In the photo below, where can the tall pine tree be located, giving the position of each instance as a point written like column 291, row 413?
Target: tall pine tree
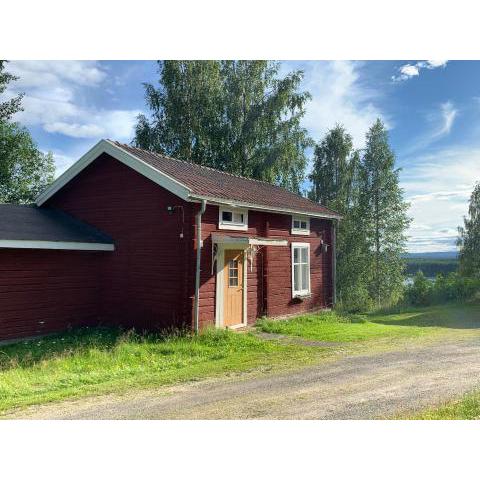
column 384, row 219
column 469, row 238
column 237, row 116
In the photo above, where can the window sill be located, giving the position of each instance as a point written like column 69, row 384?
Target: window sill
column 300, row 232
column 302, row 296
column 224, row 226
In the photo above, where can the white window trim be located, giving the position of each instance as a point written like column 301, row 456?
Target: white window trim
column 232, row 225
column 301, row 293
column 300, row 231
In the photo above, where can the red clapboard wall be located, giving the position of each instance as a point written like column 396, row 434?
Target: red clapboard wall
column 149, row 280
column 43, row 291
column 145, row 278
column 269, row 282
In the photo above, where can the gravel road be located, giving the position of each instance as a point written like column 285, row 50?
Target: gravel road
column 360, row 387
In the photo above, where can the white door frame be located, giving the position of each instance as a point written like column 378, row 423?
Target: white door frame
column 219, row 291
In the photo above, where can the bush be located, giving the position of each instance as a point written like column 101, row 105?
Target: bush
column 355, row 300
column 444, row 289
column 420, row 292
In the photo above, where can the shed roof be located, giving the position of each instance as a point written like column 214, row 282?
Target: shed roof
column 28, row 226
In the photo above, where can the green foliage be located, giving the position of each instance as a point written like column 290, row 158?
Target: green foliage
column 355, row 299
column 333, row 170
column 236, row 116
column 469, row 238
column 420, row 291
column 24, row 170
column 430, row 267
column 382, row 218
column 364, row 188
column 13, row 105
column 451, row 288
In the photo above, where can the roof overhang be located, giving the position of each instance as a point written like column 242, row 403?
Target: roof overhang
column 247, row 241
column 160, row 178
column 47, row 245
column 263, row 208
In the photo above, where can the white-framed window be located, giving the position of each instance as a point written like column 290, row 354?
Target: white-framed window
column 300, row 225
column 300, row 269
column 233, row 219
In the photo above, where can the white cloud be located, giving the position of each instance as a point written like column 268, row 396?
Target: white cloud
column 438, row 186
column 55, row 99
column 408, row 70
column 448, row 113
column 440, row 121
column 339, row 96
column 74, row 129
column 37, row 73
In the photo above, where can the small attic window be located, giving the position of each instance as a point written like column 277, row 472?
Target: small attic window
column 233, row 219
column 300, row 225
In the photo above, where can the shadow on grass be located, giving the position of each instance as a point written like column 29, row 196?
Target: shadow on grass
column 444, row 316
column 27, row 353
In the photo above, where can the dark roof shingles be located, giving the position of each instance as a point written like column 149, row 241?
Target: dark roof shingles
column 208, row 182
column 28, row 222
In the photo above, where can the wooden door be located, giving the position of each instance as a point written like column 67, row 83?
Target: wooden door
column 233, row 288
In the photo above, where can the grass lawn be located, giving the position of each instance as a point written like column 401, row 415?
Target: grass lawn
column 410, row 323
column 100, row 360
column 465, row 408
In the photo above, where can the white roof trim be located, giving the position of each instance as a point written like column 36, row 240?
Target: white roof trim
column 47, row 245
column 253, row 206
column 104, row 146
column 246, row 241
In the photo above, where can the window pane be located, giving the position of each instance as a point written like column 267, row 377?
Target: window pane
column 233, row 273
column 296, row 278
column 238, row 218
column 303, row 225
column 296, row 224
column 226, row 216
column 304, row 255
column 304, row 277
column 296, row 257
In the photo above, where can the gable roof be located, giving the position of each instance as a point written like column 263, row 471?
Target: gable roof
column 27, row 226
column 194, row 182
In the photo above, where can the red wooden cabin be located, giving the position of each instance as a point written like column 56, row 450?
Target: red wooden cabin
column 115, row 240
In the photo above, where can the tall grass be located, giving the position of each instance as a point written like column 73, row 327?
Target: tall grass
column 96, row 360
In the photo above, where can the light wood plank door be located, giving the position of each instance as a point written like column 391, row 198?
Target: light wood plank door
column 233, row 288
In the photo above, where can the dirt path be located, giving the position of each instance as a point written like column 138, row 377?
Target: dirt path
column 371, row 386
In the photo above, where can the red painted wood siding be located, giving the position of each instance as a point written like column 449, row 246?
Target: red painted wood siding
column 43, row 291
column 269, row 282
column 146, row 280
column 279, row 279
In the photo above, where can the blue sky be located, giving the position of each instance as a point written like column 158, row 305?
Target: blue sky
column 431, row 108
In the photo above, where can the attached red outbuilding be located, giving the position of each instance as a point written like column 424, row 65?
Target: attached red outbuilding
column 114, row 240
